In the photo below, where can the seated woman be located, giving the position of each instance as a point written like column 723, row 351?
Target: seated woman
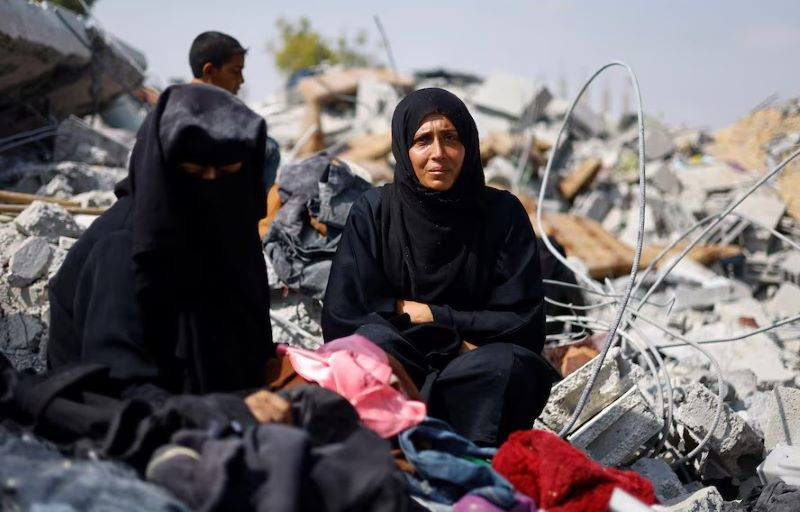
column 168, row 288
column 443, row 273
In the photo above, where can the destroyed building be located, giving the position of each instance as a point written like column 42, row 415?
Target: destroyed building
column 700, row 391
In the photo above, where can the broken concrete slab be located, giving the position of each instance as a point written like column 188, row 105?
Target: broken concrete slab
column 29, row 261
column 95, row 199
column 720, row 290
column 47, row 220
column 52, row 65
column 764, row 207
column 665, row 482
column 10, row 237
column 30, row 298
column 790, row 267
column 708, row 178
column 784, row 418
column 57, row 187
column 615, row 378
column 736, row 446
column 513, row 96
column 616, row 433
column 500, row 171
column 375, row 103
column 785, row 302
column 76, row 141
column 707, row 499
column 662, row 176
column 20, row 332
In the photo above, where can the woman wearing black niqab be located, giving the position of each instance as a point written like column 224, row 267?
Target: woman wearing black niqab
column 168, row 288
column 443, row 273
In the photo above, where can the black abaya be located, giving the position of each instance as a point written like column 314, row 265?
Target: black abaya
column 471, row 255
column 168, row 289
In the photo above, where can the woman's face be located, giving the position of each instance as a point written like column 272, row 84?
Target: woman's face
column 436, row 153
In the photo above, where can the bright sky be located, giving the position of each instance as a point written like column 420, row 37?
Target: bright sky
column 700, row 63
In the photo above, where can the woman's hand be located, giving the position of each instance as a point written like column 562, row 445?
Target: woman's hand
column 420, row 313
column 466, row 347
column 269, row 408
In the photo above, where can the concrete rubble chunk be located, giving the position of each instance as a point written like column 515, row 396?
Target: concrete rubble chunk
column 10, row 237
column 665, row 482
column 790, row 267
column 662, row 176
column 95, row 199
column 784, row 418
column 785, row 302
column 20, row 331
column 615, row 378
column 51, row 61
column 513, row 96
column 737, row 447
column 76, row 141
column 764, row 206
column 31, row 298
column 29, row 262
column 614, row 435
column 47, row 220
column 707, row 499
column 721, row 290
column 57, row 187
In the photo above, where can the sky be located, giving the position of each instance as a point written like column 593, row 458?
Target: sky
column 700, row 63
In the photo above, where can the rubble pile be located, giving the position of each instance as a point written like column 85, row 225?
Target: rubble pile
column 698, row 327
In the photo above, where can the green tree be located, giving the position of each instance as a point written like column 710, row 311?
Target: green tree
column 300, row 46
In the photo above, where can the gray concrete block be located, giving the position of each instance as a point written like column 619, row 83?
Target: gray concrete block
column 57, row 187
column 10, row 237
column 30, row 298
column 29, row 261
column 784, row 418
column 707, row 499
column 20, row 332
column 662, row 176
column 790, row 267
column 721, row 290
column 512, row 96
column 615, row 434
column 665, row 482
column 615, row 378
column 735, row 444
column 76, row 141
column 47, row 220
column 785, row 302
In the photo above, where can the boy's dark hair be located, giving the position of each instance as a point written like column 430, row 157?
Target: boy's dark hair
column 214, row 47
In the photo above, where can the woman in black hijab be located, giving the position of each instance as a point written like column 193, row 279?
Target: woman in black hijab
column 168, row 289
column 443, row 273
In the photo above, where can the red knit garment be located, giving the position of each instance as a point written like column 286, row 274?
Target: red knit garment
column 561, row 478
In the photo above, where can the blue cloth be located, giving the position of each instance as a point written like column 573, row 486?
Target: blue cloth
column 442, row 460
column 37, row 477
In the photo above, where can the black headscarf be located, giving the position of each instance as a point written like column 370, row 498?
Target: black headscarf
column 431, row 237
column 199, row 271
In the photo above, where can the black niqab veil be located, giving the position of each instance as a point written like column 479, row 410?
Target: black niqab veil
column 430, row 238
column 170, row 286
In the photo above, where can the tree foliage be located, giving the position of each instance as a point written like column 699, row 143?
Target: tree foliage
column 302, row 47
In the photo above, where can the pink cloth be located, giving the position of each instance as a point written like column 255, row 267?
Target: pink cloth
column 359, row 370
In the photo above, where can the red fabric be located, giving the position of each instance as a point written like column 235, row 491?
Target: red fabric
column 561, row 478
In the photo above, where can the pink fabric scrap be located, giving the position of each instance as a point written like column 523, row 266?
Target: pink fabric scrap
column 359, row 370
